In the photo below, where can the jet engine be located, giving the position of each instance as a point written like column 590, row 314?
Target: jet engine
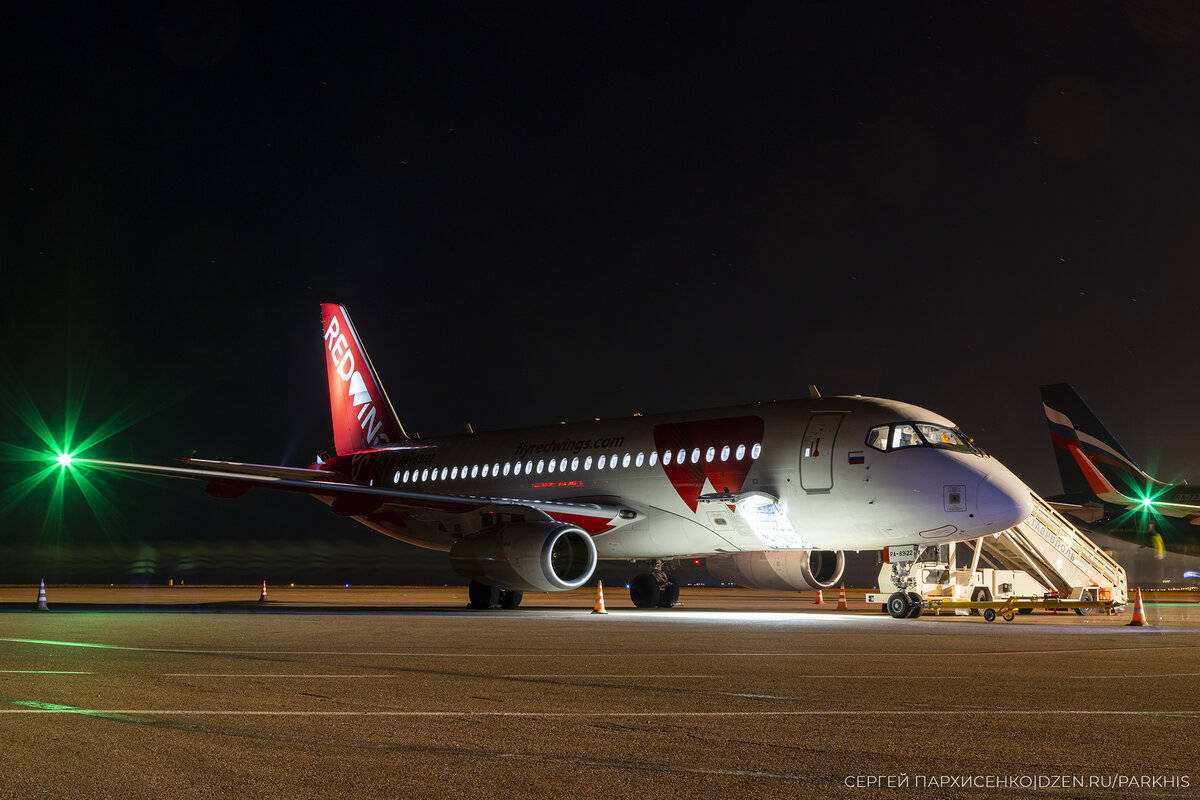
column 526, row 556
column 785, row 570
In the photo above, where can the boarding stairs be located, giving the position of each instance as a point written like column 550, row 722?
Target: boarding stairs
column 1057, row 554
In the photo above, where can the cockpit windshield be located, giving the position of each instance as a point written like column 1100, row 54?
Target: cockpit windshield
column 918, row 434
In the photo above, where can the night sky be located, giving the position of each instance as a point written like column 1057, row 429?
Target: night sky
column 550, row 211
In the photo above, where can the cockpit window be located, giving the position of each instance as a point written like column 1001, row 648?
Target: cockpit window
column 918, row 434
column 904, row 436
column 940, row 436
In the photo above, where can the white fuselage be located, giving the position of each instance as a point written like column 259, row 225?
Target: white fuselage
column 791, row 475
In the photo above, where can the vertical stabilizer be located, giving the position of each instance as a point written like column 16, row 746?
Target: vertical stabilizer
column 1077, row 432
column 362, row 414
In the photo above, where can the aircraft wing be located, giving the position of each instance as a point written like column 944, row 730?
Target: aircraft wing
column 232, row 479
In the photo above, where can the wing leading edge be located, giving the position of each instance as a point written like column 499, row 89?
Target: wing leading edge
column 231, row 478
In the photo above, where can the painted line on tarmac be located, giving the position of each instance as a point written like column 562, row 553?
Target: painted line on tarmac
column 400, row 675
column 589, row 675
column 42, row 672
column 273, row 675
column 1113, row 675
column 590, row 654
column 1013, row 712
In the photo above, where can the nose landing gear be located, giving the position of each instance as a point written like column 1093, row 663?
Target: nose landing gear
column 905, row 605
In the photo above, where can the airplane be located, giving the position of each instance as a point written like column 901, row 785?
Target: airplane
column 771, row 494
column 1105, row 489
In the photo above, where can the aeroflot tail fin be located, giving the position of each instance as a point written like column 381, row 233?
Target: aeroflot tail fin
column 362, row 413
column 1078, row 433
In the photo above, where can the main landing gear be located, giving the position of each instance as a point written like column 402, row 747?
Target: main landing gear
column 482, row 596
column 654, row 589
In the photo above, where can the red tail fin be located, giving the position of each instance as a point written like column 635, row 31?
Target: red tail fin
column 362, row 414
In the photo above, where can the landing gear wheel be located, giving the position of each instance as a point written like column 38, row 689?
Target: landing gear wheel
column 644, row 590
column 510, row 598
column 989, row 614
column 669, row 595
column 917, row 608
column 898, row 605
column 483, row 596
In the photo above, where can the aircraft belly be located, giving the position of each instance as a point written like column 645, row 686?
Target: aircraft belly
column 662, row 538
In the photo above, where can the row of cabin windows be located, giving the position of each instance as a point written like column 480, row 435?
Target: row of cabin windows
column 542, row 466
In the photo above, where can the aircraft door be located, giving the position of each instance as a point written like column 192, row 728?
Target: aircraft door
column 816, row 453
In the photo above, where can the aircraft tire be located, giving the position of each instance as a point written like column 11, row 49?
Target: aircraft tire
column 482, row 596
column 917, row 609
column 644, row 590
column 510, row 598
column 669, row 596
column 898, row 605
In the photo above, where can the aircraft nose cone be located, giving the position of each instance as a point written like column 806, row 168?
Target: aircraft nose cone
column 1004, row 500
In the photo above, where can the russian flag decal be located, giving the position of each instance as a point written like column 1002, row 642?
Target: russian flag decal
column 856, row 456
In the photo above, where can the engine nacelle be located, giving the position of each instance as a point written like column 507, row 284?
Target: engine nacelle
column 526, row 556
column 783, row 570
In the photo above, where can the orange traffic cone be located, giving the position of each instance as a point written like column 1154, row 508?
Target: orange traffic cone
column 41, row 601
column 262, row 598
column 1139, row 614
column 820, row 601
column 598, row 606
column 841, row 606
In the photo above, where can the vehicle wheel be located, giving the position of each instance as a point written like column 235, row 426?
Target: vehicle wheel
column 989, row 614
column 482, row 596
column 1009, row 616
column 644, row 590
column 669, row 596
column 1083, row 612
column 510, row 598
column 1024, row 610
column 917, row 609
column 898, row 605
column 980, row 595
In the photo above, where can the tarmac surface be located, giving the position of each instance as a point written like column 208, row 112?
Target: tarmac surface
column 400, row 692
